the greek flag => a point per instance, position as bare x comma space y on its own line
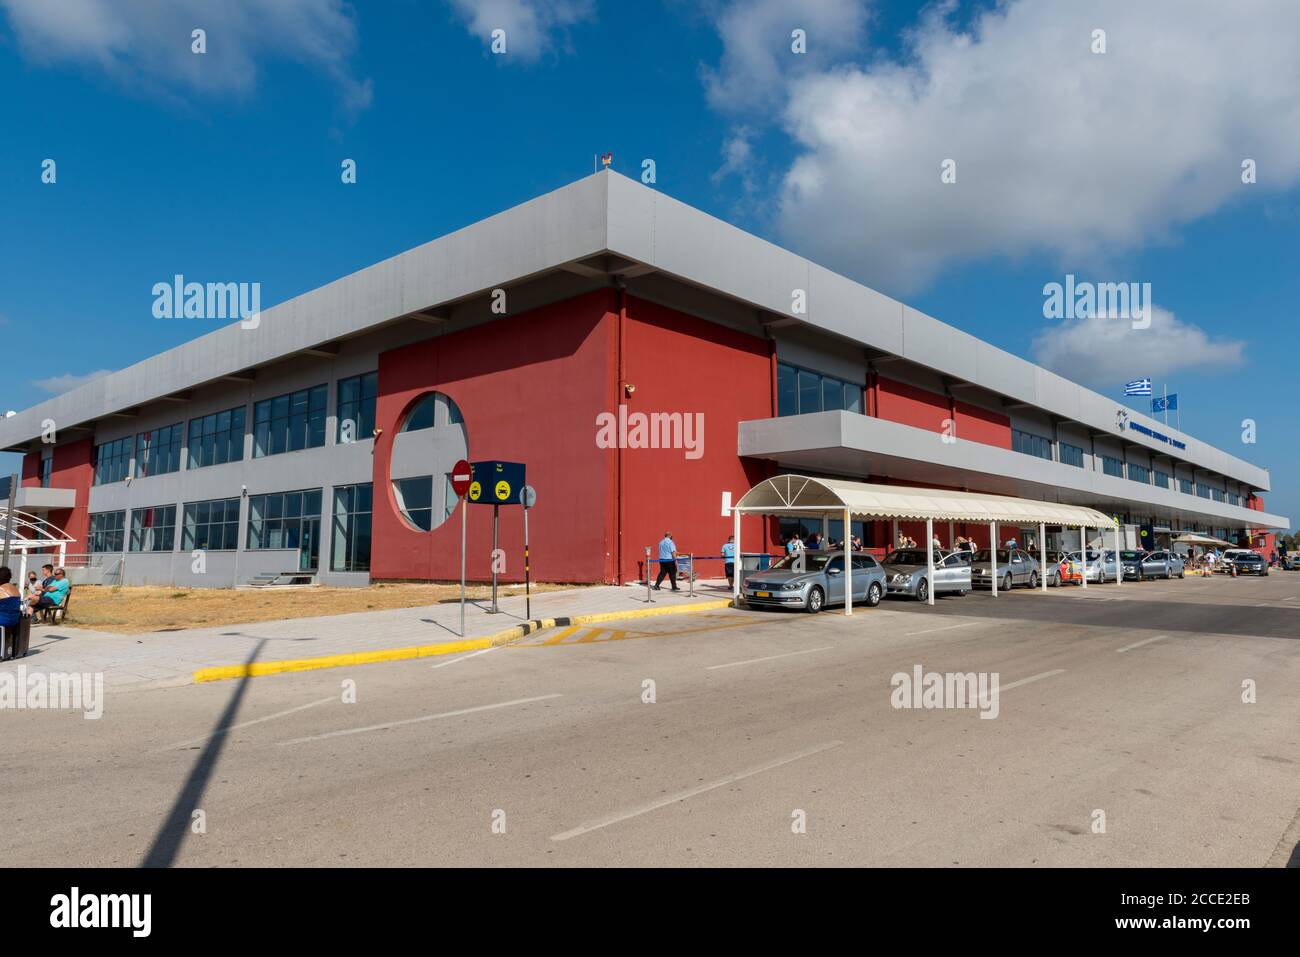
1162, 403
1138, 387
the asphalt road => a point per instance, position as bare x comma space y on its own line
1122, 701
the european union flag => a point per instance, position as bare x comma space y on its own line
1165, 403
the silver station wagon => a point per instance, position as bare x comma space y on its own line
816, 583
1015, 567
907, 573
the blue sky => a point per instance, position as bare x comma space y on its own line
1114, 166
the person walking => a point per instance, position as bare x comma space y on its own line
667, 561
729, 558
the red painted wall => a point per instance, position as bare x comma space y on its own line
680, 363
530, 388
922, 409
73, 468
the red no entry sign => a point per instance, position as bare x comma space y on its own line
461, 476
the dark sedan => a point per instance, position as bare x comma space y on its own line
1250, 563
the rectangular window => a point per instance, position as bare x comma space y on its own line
787, 389
1112, 466
217, 438
810, 392
1185, 486
290, 423
158, 452
1163, 479
107, 531
1031, 444
802, 391
1202, 490
350, 551
415, 499
356, 412
47, 470
153, 529
1139, 473
1234, 499
212, 525
1218, 494
852, 398
113, 461
286, 520
1071, 454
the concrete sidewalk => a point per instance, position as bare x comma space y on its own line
166, 659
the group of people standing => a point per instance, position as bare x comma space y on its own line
48, 591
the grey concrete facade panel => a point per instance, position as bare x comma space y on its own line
795, 440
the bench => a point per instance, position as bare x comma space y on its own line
57, 613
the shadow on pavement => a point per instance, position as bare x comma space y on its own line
171, 835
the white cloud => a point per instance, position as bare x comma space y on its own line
1059, 150
529, 25
1106, 351
56, 385
147, 44
758, 61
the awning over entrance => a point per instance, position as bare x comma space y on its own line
801, 494
795, 493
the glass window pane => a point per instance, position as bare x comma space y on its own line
810, 392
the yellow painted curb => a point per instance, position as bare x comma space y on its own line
260, 668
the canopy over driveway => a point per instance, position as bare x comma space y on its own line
801, 494
22, 532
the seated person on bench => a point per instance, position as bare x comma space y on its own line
54, 594
11, 601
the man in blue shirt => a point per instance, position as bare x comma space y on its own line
729, 557
54, 594
667, 561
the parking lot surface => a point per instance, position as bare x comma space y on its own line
1141, 724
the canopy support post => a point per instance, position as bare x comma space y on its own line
1083, 552
929, 560
1042, 553
848, 565
993, 555
1119, 566
735, 568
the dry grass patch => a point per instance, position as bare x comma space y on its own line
167, 608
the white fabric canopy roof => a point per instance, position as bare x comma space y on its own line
39, 533
799, 493
1196, 538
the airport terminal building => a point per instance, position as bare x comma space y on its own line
647, 363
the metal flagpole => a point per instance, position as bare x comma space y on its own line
1166, 405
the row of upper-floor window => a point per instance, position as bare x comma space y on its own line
286, 423
801, 391
1041, 447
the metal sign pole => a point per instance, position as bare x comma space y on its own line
464, 509
528, 598
496, 521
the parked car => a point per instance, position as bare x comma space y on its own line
1250, 563
1015, 567
1132, 562
907, 571
1058, 569
1163, 564
1099, 568
818, 585
1230, 556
